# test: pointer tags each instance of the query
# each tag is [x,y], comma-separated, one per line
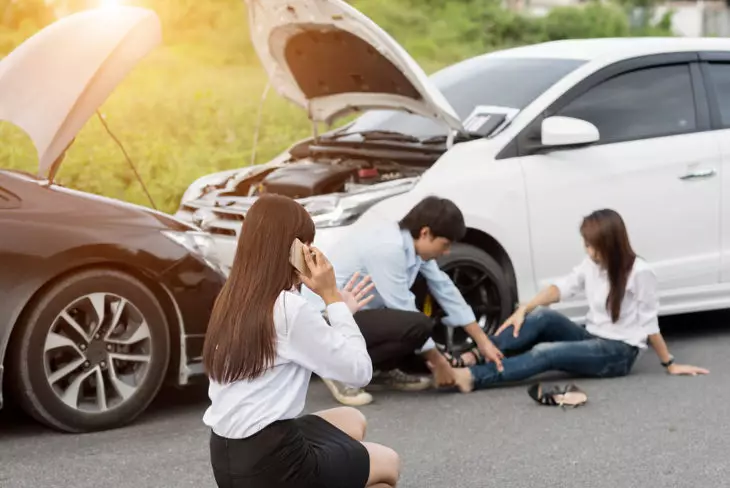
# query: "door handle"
[703,173]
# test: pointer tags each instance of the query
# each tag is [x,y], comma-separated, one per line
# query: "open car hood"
[332,60]
[54,82]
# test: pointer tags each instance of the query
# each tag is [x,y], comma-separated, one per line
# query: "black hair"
[440,215]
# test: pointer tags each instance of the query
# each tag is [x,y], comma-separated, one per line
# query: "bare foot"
[464,379]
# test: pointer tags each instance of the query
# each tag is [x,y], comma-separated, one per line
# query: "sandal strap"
[541,396]
[573,388]
[478,355]
[550,396]
[455,362]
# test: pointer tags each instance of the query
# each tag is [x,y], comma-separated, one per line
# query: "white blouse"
[639,315]
[305,344]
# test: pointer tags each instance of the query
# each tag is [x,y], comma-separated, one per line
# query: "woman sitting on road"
[263,343]
[623,312]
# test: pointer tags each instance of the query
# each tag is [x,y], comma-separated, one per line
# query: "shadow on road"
[172,401]
[696,325]
[15,423]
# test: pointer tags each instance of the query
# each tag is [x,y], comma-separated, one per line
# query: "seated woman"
[263,342]
[623,312]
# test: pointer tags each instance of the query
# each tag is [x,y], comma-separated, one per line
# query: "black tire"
[496,287]
[30,372]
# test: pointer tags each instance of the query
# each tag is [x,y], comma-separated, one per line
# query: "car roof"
[628,47]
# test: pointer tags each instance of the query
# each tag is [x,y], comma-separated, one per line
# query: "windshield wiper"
[374,135]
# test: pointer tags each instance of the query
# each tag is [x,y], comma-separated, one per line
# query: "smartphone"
[296,257]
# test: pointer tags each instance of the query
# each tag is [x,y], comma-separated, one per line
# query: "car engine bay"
[305,178]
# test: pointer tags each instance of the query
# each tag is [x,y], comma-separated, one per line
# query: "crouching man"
[393,254]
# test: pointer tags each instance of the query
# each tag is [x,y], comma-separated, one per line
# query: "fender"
[32,274]
[515,240]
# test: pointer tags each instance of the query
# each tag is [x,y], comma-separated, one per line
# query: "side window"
[720,77]
[641,104]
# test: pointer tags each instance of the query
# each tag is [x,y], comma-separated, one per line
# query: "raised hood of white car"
[53,82]
[331,59]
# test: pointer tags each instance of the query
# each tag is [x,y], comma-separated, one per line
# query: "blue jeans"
[554,343]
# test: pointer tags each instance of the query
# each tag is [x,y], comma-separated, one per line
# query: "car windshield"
[505,82]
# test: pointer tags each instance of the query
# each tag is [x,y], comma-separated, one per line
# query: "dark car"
[101,301]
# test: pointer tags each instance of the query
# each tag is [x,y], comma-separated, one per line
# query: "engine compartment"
[310,177]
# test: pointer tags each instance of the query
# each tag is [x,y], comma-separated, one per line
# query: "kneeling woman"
[263,343]
[623,313]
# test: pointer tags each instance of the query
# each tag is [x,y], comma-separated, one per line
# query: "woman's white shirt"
[305,344]
[639,315]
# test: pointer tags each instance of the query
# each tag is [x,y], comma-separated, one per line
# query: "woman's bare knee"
[384,465]
[349,420]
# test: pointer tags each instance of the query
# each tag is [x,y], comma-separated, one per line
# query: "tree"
[15,13]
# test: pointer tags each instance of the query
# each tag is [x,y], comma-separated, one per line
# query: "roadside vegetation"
[192,107]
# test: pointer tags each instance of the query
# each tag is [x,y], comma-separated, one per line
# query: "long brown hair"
[605,231]
[240,343]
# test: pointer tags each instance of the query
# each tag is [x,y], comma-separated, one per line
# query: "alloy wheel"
[97,352]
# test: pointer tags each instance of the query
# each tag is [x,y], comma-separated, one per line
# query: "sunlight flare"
[110,3]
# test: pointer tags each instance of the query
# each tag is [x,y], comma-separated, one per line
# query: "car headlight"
[338,211]
[198,243]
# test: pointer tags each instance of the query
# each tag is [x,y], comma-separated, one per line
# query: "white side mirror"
[568,131]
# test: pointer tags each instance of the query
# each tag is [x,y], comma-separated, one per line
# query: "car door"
[716,70]
[656,163]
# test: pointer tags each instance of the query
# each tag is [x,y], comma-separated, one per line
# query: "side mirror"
[567,131]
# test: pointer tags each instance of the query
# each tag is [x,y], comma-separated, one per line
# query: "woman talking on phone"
[263,343]
[623,307]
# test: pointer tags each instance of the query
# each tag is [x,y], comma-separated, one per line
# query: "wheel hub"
[96,353]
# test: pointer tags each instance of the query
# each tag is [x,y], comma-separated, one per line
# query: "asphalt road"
[645,430]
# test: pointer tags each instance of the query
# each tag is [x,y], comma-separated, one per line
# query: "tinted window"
[506,82]
[720,76]
[640,104]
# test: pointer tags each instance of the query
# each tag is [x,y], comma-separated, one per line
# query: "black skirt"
[307,452]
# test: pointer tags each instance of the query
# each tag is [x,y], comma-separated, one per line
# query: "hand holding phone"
[315,271]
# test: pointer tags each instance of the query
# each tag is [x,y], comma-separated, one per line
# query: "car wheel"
[482,282]
[92,353]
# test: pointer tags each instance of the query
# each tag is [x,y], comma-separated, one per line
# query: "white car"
[525,141]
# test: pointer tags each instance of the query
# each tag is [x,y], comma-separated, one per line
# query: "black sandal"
[570,395]
[458,362]
[455,362]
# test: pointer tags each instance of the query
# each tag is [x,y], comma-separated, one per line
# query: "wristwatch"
[670,362]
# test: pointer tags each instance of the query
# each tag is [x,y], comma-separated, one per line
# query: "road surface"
[648,429]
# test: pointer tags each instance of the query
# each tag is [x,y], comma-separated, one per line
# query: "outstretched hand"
[686,370]
[356,296]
